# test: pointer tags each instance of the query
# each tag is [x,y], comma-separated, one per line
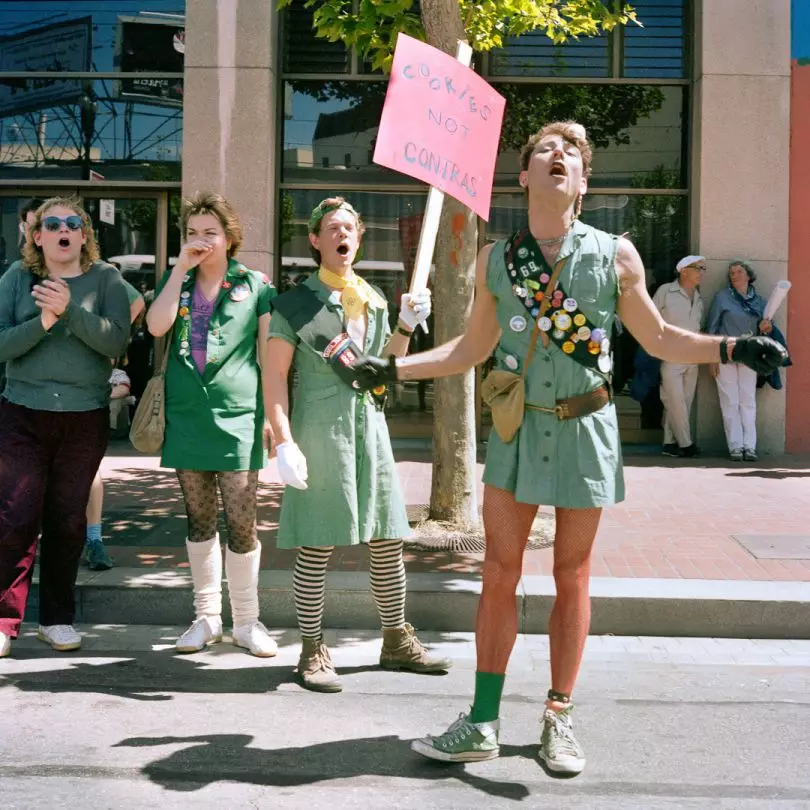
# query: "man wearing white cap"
[680,304]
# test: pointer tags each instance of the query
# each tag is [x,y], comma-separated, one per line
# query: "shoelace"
[459,729]
[562,739]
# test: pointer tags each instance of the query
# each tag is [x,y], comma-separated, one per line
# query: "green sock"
[487,701]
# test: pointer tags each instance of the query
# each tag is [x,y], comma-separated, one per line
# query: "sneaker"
[256,638]
[462,742]
[203,631]
[670,450]
[315,669]
[61,637]
[558,748]
[96,556]
[689,452]
[402,650]
[736,455]
[5,645]
[750,455]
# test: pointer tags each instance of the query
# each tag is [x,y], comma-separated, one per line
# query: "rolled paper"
[778,295]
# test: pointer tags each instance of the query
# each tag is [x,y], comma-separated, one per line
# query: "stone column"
[229,115]
[740,171]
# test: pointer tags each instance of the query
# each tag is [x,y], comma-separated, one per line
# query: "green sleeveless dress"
[577,463]
[353,494]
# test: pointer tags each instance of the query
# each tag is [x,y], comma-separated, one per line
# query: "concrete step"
[447,602]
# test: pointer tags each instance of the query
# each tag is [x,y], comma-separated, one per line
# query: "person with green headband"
[348,493]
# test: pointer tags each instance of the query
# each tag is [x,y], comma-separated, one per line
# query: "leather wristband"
[401,330]
[724,351]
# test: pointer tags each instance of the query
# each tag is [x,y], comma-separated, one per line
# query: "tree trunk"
[453,492]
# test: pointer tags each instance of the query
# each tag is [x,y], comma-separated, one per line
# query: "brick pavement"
[679,519]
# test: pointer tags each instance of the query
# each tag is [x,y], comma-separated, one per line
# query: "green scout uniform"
[353,493]
[576,463]
[215,421]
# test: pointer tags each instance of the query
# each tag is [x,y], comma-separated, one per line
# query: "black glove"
[372,372]
[762,354]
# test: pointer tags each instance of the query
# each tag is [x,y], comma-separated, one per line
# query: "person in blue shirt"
[735,311]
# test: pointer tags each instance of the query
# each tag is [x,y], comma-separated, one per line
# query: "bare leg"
[507,524]
[571,616]
[95,504]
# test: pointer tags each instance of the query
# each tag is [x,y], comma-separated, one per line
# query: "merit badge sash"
[321,329]
[563,321]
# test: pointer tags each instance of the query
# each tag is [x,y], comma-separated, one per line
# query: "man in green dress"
[545,302]
[334,454]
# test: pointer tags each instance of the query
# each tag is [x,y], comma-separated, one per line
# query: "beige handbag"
[504,391]
[149,423]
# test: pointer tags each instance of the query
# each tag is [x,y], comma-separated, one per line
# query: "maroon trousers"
[47,464]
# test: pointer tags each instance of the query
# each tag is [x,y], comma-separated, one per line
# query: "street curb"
[448,602]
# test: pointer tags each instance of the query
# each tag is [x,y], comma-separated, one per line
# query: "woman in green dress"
[348,494]
[219,314]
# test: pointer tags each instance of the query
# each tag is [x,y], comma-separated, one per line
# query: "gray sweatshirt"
[67,368]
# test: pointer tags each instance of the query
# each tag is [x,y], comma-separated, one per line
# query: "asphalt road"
[666,723]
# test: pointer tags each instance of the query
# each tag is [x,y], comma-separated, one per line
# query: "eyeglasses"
[73,222]
[701,267]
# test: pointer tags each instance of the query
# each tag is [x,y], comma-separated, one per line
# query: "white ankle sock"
[243,584]
[205,561]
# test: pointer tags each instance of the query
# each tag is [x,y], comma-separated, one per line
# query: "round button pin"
[511,362]
[579,319]
[570,305]
[563,321]
[544,324]
[604,363]
[583,331]
[517,323]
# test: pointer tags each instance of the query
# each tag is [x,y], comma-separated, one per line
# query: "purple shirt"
[201,311]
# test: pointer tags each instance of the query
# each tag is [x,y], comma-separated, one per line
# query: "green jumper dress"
[353,493]
[576,463]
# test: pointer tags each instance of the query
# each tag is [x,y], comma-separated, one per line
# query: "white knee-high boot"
[205,561]
[243,587]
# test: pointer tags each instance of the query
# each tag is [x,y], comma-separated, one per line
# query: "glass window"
[393,223]
[102,130]
[535,54]
[80,35]
[658,50]
[637,130]
[330,129]
[303,51]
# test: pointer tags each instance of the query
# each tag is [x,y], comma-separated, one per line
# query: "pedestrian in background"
[63,317]
[216,313]
[680,304]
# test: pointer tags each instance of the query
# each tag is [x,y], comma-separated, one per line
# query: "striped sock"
[309,587]
[387,575]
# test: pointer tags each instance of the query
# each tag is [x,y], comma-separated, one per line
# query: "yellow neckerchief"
[356,293]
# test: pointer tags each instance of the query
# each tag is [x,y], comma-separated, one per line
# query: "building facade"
[131,104]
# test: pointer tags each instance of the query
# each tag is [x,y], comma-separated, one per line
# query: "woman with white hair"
[737,310]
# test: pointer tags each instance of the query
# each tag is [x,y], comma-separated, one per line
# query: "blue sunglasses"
[74,223]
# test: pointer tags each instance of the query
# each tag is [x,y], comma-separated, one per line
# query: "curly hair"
[208,202]
[33,258]
[570,131]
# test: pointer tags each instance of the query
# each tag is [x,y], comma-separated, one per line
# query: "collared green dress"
[215,421]
[353,493]
[575,463]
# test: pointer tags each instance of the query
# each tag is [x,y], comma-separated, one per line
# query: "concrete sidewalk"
[700,547]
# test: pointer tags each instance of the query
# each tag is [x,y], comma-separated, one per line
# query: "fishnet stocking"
[238,490]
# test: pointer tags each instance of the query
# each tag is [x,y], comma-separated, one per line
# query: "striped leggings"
[386,572]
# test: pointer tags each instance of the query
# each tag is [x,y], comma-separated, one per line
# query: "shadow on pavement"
[230,758]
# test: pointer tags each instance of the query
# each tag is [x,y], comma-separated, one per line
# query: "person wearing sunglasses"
[680,304]
[63,316]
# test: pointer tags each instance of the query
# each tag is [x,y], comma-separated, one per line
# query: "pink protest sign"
[441,123]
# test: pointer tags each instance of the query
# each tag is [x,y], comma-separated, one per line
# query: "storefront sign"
[441,124]
[106,211]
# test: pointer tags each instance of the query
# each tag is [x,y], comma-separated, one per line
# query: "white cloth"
[678,308]
[414,308]
[205,562]
[678,384]
[737,389]
[292,465]
[242,571]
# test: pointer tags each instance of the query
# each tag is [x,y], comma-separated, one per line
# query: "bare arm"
[642,318]
[163,311]
[468,350]
[397,345]
[262,343]
[278,360]
[136,308]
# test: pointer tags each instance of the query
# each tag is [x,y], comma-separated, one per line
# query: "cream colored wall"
[229,114]
[740,171]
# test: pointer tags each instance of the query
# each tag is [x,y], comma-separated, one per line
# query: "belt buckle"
[561,411]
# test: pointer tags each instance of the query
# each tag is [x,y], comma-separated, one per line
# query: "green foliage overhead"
[373,27]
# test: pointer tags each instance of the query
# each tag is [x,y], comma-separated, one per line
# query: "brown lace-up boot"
[402,650]
[315,668]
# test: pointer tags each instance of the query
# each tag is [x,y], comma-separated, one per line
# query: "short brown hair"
[207,202]
[325,207]
[570,131]
[33,257]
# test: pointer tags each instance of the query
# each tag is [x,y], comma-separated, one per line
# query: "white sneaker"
[5,645]
[61,637]
[256,638]
[203,631]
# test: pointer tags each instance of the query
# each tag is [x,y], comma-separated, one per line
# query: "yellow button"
[568,347]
